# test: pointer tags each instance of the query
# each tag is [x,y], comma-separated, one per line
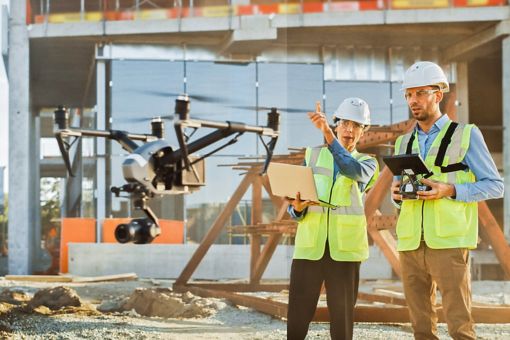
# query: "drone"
[153,167]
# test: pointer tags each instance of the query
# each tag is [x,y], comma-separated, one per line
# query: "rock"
[55,298]
[154,303]
[14,296]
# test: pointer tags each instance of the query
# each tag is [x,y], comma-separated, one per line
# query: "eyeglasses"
[348,123]
[420,93]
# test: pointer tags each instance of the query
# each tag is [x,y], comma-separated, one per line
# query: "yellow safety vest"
[345,227]
[445,223]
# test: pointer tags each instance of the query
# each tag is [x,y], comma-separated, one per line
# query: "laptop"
[287,180]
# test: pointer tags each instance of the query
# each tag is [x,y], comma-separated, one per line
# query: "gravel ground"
[229,322]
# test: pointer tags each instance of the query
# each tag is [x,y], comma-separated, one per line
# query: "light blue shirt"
[478,159]
[348,166]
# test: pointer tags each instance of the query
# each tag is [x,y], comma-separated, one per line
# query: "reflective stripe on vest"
[446,223]
[343,227]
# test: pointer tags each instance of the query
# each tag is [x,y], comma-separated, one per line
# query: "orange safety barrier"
[371,5]
[79,230]
[171,231]
[267,9]
[246,10]
[313,7]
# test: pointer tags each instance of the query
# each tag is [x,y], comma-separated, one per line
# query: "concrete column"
[100,146]
[21,164]
[462,89]
[505,59]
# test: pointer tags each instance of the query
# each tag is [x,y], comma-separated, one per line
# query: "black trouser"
[306,278]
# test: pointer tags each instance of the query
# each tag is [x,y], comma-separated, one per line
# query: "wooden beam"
[236,287]
[481,314]
[256,217]
[388,245]
[39,278]
[379,192]
[265,257]
[381,222]
[460,49]
[371,297]
[215,229]
[271,307]
[495,236]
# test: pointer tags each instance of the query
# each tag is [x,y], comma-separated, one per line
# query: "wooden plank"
[379,192]
[39,278]
[378,314]
[240,287]
[401,314]
[495,236]
[382,222]
[265,257]
[385,241]
[215,229]
[256,217]
[103,278]
[371,297]
[271,307]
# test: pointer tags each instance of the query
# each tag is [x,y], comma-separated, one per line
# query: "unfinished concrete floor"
[224,322]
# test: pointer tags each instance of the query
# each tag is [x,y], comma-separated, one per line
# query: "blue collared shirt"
[348,166]
[478,159]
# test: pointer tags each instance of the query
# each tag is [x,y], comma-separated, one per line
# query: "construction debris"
[163,302]
[55,298]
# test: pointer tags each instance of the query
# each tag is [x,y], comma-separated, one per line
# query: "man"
[331,242]
[436,231]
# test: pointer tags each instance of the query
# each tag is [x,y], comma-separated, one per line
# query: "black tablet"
[413,164]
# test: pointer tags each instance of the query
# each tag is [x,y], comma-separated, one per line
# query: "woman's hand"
[298,204]
[319,120]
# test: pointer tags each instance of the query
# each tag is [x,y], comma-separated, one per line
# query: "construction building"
[115,62]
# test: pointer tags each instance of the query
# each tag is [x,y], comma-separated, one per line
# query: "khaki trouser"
[422,270]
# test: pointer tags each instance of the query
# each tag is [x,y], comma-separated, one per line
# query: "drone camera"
[273,119]
[61,116]
[138,231]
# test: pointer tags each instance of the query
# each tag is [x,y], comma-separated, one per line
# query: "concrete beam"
[21,124]
[100,145]
[251,36]
[334,19]
[461,49]
[462,88]
[505,59]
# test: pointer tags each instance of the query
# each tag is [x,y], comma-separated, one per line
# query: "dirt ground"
[149,309]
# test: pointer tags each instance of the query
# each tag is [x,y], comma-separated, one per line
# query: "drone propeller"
[166,94]
[268,108]
[142,119]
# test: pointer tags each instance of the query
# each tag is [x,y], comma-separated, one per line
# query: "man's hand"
[439,190]
[298,204]
[319,120]
[395,191]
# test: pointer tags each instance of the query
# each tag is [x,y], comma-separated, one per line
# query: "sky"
[4,116]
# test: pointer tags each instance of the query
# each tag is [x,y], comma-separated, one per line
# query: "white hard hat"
[425,73]
[355,109]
